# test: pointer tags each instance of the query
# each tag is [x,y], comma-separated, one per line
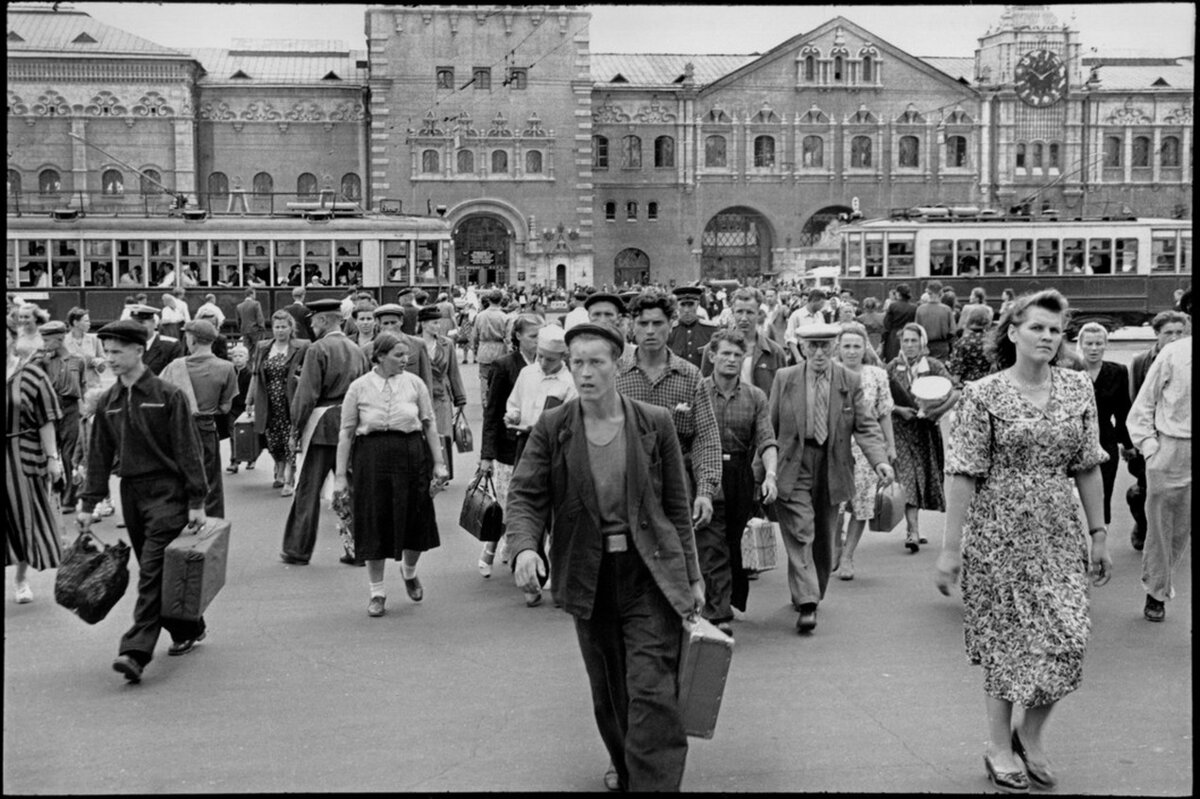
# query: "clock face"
[1040,78]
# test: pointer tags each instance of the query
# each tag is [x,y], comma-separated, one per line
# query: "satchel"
[889,507]
[758,543]
[92,577]
[464,440]
[481,514]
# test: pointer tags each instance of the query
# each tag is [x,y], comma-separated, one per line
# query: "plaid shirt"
[741,417]
[678,389]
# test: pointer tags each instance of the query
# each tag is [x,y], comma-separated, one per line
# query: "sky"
[936,30]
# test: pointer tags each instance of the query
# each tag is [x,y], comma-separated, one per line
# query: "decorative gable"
[83,38]
[13,36]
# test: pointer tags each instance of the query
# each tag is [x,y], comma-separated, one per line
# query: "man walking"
[143,428]
[489,332]
[160,349]
[690,335]
[937,319]
[299,311]
[251,322]
[68,378]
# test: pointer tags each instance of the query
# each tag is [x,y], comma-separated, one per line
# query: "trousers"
[1168,514]
[300,530]
[719,543]
[1136,496]
[630,647]
[67,430]
[807,520]
[214,500]
[156,511]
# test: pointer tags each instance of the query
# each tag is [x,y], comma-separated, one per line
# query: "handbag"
[759,551]
[92,577]
[464,439]
[481,514]
[889,508]
[344,510]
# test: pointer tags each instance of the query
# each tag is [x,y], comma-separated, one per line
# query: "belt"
[734,456]
[812,442]
[616,543]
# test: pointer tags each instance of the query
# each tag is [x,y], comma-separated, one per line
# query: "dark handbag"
[92,577]
[464,439]
[889,508]
[481,514]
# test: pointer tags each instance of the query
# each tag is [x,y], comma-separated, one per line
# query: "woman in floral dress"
[969,360]
[1024,440]
[856,355]
[276,364]
[918,437]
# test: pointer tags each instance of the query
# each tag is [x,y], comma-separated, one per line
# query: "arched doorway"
[736,245]
[482,248]
[560,276]
[815,228]
[631,266]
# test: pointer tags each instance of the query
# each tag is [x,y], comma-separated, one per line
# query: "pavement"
[295,689]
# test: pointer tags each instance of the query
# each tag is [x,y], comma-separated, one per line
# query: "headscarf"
[911,370]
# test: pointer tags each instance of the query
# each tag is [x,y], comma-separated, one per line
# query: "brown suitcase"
[704,661]
[246,445]
[194,570]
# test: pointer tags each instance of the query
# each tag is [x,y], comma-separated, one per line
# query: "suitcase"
[704,661]
[759,551]
[194,570]
[245,442]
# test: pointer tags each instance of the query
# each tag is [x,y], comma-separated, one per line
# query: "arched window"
[49,181]
[1053,160]
[1036,161]
[264,183]
[499,162]
[1141,151]
[599,152]
[306,186]
[860,152]
[1020,156]
[466,162]
[837,68]
[812,151]
[810,68]
[1169,154]
[610,211]
[631,266]
[652,211]
[113,182]
[1112,151]
[664,151]
[910,152]
[867,71]
[352,187]
[533,162]
[764,151]
[150,181]
[631,210]
[714,151]
[218,186]
[631,152]
[956,151]
[14,183]
[429,162]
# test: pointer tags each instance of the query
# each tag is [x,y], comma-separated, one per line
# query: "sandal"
[1006,781]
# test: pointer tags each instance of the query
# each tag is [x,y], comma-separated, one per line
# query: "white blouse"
[401,403]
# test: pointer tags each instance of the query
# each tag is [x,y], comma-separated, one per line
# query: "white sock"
[406,571]
[377,588]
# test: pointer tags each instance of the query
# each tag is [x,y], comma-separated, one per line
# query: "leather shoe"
[414,589]
[183,647]
[1006,781]
[126,665]
[349,561]
[292,560]
[1155,610]
[1137,539]
[806,622]
[376,606]
[1041,774]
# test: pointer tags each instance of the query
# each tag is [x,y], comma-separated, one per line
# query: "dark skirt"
[393,511]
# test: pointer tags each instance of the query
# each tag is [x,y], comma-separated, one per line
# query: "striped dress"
[31,520]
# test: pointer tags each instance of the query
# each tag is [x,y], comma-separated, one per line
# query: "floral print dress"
[919,458]
[875,389]
[1024,547]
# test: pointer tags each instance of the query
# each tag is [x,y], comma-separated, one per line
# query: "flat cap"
[627,296]
[52,328]
[389,309]
[143,311]
[601,329]
[125,330]
[203,330]
[601,296]
[688,293]
[404,291]
[324,306]
[818,331]
[426,314]
[581,295]
[552,339]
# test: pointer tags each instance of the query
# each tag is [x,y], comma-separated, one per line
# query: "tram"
[60,260]
[1117,270]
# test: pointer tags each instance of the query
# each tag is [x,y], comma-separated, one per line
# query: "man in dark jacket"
[300,313]
[251,322]
[899,313]
[160,350]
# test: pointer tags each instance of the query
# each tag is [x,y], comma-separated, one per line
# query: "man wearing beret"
[331,364]
[691,335]
[68,377]
[815,406]
[160,349]
[143,428]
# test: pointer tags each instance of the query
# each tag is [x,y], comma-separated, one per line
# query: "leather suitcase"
[194,570]
[245,442]
[704,661]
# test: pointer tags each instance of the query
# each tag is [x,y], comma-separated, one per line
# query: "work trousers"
[719,543]
[1136,495]
[156,511]
[630,647]
[67,433]
[300,531]
[1168,514]
[807,520]
[485,380]
[214,500]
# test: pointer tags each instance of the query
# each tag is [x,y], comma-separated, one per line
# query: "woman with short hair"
[968,358]
[1110,383]
[275,367]
[446,390]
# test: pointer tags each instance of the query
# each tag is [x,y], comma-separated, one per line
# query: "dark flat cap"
[427,313]
[402,292]
[688,292]
[324,306]
[389,309]
[202,330]
[53,328]
[604,297]
[143,311]
[126,330]
[581,294]
[602,329]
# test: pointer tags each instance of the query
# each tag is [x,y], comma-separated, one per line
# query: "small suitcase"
[245,442]
[194,570]
[759,551]
[704,661]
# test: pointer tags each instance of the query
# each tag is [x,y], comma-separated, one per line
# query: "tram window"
[1126,256]
[1047,256]
[162,263]
[395,258]
[1185,253]
[993,256]
[98,267]
[901,251]
[854,259]
[10,257]
[131,263]
[968,257]
[193,275]
[65,268]
[1073,254]
[1020,255]
[1163,254]
[426,262]
[225,263]
[194,254]
[31,265]
[874,257]
[347,259]
[317,268]
[1099,256]
[941,257]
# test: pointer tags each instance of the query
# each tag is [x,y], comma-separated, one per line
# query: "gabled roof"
[961,68]
[1180,76]
[662,69]
[280,65]
[65,33]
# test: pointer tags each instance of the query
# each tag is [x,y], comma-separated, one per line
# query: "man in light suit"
[815,406]
[607,473]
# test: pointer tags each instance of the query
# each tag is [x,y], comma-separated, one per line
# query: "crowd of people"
[629,441]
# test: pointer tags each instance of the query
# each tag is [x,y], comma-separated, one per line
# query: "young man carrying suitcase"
[143,427]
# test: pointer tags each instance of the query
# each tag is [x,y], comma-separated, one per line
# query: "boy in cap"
[143,428]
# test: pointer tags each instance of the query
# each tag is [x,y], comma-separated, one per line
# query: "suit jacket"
[297,348]
[849,412]
[164,350]
[302,315]
[250,316]
[898,314]
[331,364]
[768,358]
[552,489]
[446,386]
[497,443]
